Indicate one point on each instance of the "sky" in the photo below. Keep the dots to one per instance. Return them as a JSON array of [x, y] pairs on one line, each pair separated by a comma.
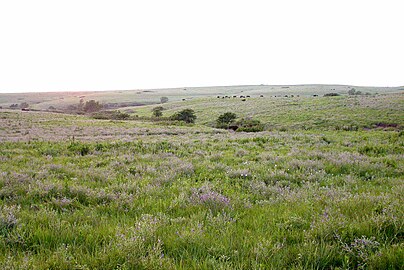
[[85, 45]]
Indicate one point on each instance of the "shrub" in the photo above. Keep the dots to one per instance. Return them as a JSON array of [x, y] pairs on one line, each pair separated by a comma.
[[187, 115], [79, 148], [332, 95], [249, 125], [164, 99], [157, 111], [353, 92], [24, 105], [224, 120], [92, 106]]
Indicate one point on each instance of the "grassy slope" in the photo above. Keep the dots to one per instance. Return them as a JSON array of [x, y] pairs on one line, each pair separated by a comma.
[[296, 113], [63, 99], [138, 195]]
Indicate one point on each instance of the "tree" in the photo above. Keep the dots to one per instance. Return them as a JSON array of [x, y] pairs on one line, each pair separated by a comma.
[[24, 105], [157, 111], [80, 107], [225, 119], [351, 92], [164, 99], [92, 106], [187, 115]]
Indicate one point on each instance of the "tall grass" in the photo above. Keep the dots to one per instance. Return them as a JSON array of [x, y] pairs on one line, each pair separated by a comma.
[[134, 195]]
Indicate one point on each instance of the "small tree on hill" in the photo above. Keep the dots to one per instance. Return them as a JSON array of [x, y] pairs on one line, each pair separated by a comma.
[[187, 115], [164, 99], [24, 105], [352, 92], [157, 111], [80, 107], [92, 106], [225, 119]]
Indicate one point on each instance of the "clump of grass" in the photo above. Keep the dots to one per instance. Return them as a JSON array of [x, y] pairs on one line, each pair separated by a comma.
[[208, 197], [79, 148], [359, 251], [8, 219]]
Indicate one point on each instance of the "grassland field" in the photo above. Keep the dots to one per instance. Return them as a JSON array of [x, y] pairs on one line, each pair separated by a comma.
[[320, 188], [60, 100]]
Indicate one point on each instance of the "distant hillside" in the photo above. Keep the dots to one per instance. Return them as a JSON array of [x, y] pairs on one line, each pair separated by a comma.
[[124, 98]]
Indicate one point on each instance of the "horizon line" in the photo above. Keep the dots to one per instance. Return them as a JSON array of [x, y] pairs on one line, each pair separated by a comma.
[[178, 87]]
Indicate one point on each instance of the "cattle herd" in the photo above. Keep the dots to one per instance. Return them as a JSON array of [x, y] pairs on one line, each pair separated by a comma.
[[243, 97]]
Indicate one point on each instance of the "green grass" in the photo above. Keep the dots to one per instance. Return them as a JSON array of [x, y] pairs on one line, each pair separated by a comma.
[[299, 113], [60, 100], [321, 188]]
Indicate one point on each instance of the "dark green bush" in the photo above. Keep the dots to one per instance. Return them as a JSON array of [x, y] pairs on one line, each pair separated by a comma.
[[224, 120], [332, 95], [110, 115], [187, 115], [157, 111], [91, 106], [249, 125], [79, 148]]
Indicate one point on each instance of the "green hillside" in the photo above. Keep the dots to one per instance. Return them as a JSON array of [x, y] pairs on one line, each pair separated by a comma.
[[61, 100]]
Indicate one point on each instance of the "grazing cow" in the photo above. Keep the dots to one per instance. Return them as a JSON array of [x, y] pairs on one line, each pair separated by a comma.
[[286, 95], [248, 96], [183, 99], [261, 95], [315, 95], [243, 99], [234, 96]]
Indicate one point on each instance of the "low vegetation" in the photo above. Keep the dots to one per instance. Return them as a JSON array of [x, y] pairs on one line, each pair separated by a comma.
[[319, 186], [186, 115], [225, 120], [111, 115], [248, 125], [158, 111], [331, 95]]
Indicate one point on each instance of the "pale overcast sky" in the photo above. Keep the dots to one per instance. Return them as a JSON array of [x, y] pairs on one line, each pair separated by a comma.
[[105, 45]]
